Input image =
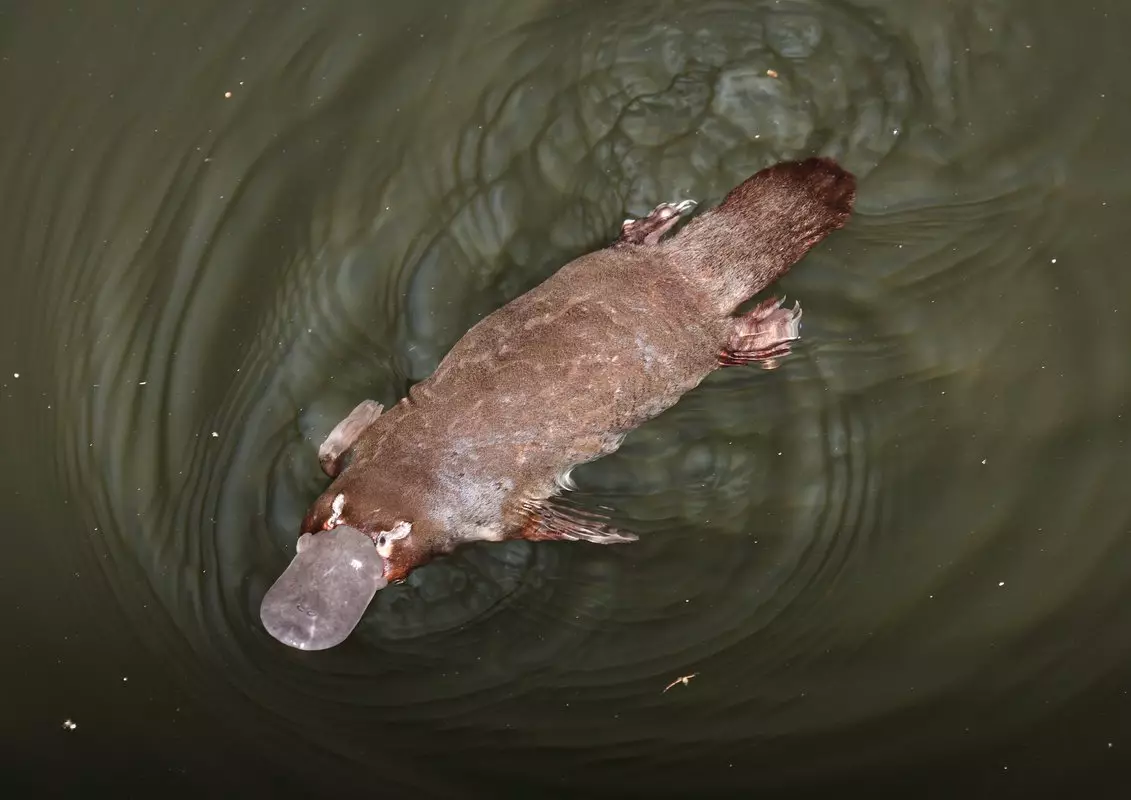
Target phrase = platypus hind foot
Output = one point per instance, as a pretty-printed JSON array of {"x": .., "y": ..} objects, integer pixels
[
  {"x": 331, "y": 454},
  {"x": 652, "y": 228},
  {"x": 763, "y": 335}
]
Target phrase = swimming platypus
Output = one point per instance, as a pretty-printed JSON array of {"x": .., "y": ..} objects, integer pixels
[{"x": 482, "y": 449}]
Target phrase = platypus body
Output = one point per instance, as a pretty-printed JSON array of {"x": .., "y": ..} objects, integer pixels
[{"x": 482, "y": 449}]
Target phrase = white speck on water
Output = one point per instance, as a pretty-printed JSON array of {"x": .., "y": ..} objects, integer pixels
[
  {"x": 1052, "y": 261},
  {"x": 1001, "y": 583},
  {"x": 215, "y": 435},
  {"x": 227, "y": 95},
  {"x": 142, "y": 383},
  {"x": 125, "y": 679},
  {"x": 983, "y": 461},
  {"x": 15, "y": 374},
  {"x": 69, "y": 725}
]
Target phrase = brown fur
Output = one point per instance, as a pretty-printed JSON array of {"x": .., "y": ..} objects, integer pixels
[{"x": 558, "y": 376}]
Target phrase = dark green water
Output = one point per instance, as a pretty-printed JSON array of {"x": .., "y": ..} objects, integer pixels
[{"x": 899, "y": 564}]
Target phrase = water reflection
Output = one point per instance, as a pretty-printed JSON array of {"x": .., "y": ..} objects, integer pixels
[{"x": 245, "y": 221}]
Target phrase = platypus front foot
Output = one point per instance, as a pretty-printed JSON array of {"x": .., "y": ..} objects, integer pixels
[
  {"x": 556, "y": 520},
  {"x": 652, "y": 228},
  {"x": 333, "y": 451},
  {"x": 763, "y": 335}
]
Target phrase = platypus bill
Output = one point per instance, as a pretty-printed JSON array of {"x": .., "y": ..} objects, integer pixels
[{"x": 482, "y": 449}]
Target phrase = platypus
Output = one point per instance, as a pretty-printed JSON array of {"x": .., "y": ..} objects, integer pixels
[{"x": 482, "y": 449}]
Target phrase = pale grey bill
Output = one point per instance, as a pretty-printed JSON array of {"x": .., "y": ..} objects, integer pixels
[{"x": 319, "y": 599}]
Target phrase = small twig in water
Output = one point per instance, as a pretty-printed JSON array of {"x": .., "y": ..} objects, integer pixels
[{"x": 684, "y": 679}]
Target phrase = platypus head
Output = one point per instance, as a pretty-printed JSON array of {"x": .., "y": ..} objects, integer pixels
[
  {"x": 346, "y": 553},
  {"x": 403, "y": 544}
]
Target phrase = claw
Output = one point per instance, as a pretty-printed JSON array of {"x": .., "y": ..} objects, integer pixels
[{"x": 650, "y": 229}]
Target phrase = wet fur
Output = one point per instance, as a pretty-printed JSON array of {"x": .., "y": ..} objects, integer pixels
[{"x": 558, "y": 376}]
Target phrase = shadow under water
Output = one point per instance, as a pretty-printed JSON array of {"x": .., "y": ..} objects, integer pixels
[{"x": 897, "y": 562}]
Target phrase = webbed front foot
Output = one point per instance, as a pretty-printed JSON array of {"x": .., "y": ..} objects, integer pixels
[
  {"x": 332, "y": 453},
  {"x": 555, "y": 520}
]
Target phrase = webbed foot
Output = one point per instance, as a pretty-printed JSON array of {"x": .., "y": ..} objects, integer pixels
[
  {"x": 331, "y": 454},
  {"x": 763, "y": 335},
  {"x": 556, "y": 520},
  {"x": 652, "y": 228}
]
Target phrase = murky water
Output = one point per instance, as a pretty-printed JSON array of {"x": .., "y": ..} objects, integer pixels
[{"x": 898, "y": 563}]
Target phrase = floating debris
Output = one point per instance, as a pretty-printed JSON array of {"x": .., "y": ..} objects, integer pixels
[
  {"x": 69, "y": 725},
  {"x": 684, "y": 679}
]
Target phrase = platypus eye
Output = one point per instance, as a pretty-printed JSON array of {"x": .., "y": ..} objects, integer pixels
[{"x": 385, "y": 539}]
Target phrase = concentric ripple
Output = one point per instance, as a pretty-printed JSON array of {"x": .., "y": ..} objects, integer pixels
[{"x": 319, "y": 203}]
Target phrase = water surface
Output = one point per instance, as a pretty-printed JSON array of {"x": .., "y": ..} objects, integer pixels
[{"x": 898, "y": 563}]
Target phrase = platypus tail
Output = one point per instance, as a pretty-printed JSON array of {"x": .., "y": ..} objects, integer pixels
[{"x": 765, "y": 225}]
